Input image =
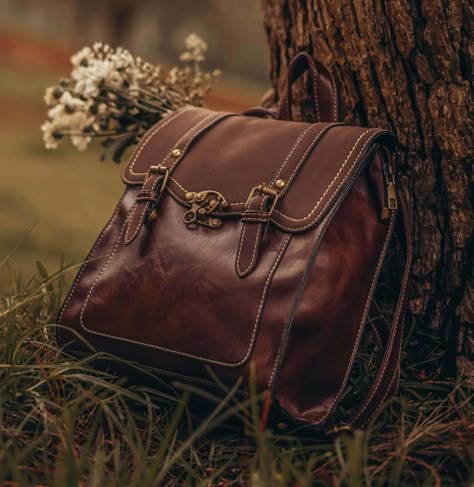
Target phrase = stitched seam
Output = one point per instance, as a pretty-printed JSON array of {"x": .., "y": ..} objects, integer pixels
[
  {"x": 334, "y": 96},
  {"x": 329, "y": 201},
  {"x": 361, "y": 327},
  {"x": 257, "y": 320},
  {"x": 304, "y": 227},
  {"x": 78, "y": 278},
  {"x": 295, "y": 145},
  {"x": 135, "y": 206},
  {"x": 315, "y": 91},
  {"x": 327, "y": 189},
  {"x": 275, "y": 177},
  {"x": 395, "y": 323},
  {"x": 281, "y": 225},
  {"x": 335, "y": 177},
  {"x": 309, "y": 148},
  {"x": 241, "y": 243},
  {"x": 257, "y": 239},
  {"x": 192, "y": 136},
  {"x": 178, "y": 184},
  {"x": 147, "y": 138}
]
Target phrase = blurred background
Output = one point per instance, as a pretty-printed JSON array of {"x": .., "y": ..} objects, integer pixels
[{"x": 56, "y": 202}]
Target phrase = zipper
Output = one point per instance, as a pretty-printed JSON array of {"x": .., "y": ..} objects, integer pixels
[{"x": 389, "y": 193}]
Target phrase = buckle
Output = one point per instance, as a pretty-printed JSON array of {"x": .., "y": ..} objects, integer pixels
[
  {"x": 264, "y": 190},
  {"x": 164, "y": 171}
]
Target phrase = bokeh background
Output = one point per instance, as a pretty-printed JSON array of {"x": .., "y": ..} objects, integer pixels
[{"x": 56, "y": 202}]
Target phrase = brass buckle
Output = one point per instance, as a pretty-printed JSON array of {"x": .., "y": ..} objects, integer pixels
[
  {"x": 165, "y": 172},
  {"x": 267, "y": 191},
  {"x": 204, "y": 204}
]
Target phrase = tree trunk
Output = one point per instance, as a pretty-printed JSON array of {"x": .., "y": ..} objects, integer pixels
[{"x": 407, "y": 65}]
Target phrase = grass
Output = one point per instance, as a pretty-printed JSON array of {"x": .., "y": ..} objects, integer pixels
[{"x": 65, "y": 423}]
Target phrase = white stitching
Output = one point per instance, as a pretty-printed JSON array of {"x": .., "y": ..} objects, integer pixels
[
  {"x": 322, "y": 131},
  {"x": 315, "y": 90},
  {"x": 178, "y": 184},
  {"x": 304, "y": 227},
  {"x": 284, "y": 227},
  {"x": 257, "y": 239},
  {"x": 335, "y": 177},
  {"x": 257, "y": 320},
  {"x": 146, "y": 139},
  {"x": 334, "y": 94},
  {"x": 327, "y": 189},
  {"x": 291, "y": 151},
  {"x": 132, "y": 214},
  {"x": 71, "y": 292},
  {"x": 362, "y": 322}
]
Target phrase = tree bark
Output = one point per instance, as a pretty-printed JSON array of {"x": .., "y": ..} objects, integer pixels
[{"x": 407, "y": 65}]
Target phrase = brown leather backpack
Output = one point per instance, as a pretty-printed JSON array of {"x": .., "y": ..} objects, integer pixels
[{"x": 246, "y": 239}]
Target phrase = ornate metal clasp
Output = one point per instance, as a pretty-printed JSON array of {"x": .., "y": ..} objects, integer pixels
[{"x": 204, "y": 204}]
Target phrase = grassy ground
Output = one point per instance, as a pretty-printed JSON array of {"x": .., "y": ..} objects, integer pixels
[{"x": 63, "y": 423}]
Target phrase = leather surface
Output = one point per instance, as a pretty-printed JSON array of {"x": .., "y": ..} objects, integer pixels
[
  {"x": 290, "y": 293},
  {"x": 326, "y": 158}
]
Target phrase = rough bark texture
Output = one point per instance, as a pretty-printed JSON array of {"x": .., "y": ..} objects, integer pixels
[{"x": 407, "y": 65}]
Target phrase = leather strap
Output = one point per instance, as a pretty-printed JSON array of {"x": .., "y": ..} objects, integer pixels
[
  {"x": 156, "y": 179},
  {"x": 386, "y": 381},
  {"x": 324, "y": 92},
  {"x": 259, "y": 207}
]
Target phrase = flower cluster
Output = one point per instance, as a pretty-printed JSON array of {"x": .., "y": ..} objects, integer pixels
[{"x": 115, "y": 96}]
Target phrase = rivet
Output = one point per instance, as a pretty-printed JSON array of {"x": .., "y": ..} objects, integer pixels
[
  {"x": 280, "y": 183},
  {"x": 176, "y": 152},
  {"x": 189, "y": 196},
  {"x": 216, "y": 222}
]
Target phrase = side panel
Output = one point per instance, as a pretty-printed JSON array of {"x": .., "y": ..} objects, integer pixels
[{"x": 329, "y": 319}]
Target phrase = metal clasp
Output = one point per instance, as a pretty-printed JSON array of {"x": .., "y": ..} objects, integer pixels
[
  {"x": 204, "y": 204},
  {"x": 165, "y": 172},
  {"x": 267, "y": 191}
]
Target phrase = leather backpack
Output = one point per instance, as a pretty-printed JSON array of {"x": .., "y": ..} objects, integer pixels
[{"x": 253, "y": 239}]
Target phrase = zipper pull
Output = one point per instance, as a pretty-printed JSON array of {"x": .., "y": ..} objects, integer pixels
[{"x": 390, "y": 193}]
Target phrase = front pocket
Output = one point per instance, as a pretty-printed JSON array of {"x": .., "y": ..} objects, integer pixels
[{"x": 175, "y": 289}]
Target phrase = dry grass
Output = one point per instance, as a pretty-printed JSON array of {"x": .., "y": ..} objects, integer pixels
[{"x": 63, "y": 422}]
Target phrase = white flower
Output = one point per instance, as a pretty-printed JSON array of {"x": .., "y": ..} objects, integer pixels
[
  {"x": 84, "y": 54},
  {"x": 50, "y": 142},
  {"x": 80, "y": 142},
  {"x": 110, "y": 92},
  {"x": 49, "y": 97},
  {"x": 196, "y": 48},
  {"x": 194, "y": 42}
]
